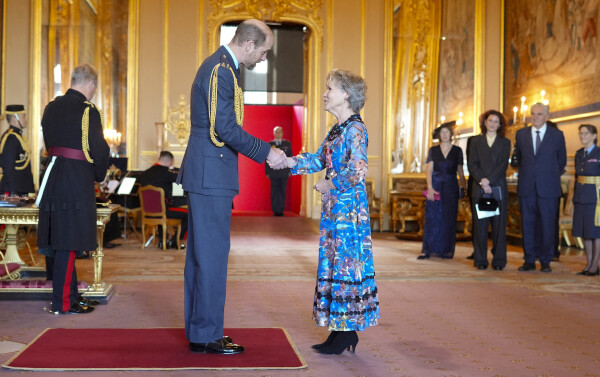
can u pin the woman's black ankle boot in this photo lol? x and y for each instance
(343, 340)
(327, 341)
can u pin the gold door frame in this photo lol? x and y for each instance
(302, 12)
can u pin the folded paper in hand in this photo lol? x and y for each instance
(487, 207)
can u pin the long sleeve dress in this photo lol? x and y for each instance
(439, 233)
(346, 292)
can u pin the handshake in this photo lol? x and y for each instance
(278, 160)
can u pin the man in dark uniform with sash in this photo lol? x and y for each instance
(14, 154)
(72, 128)
(209, 174)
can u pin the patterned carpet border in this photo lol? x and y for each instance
(166, 348)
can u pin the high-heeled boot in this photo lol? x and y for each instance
(327, 341)
(343, 340)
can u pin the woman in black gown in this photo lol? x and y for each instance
(444, 161)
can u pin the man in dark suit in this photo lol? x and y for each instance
(209, 175)
(542, 156)
(279, 177)
(14, 154)
(161, 175)
(67, 198)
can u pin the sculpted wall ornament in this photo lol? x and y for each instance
(300, 11)
(178, 123)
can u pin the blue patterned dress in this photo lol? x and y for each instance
(346, 292)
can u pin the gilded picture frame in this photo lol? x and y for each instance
(552, 46)
(457, 79)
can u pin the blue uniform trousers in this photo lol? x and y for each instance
(206, 266)
(538, 220)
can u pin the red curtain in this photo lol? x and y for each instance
(255, 188)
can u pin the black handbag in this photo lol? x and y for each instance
(487, 204)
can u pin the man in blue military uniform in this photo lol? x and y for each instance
(278, 178)
(14, 154)
(209, 175)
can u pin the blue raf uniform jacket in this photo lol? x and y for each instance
(207, 169)
(586, 167)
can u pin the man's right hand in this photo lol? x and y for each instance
(277, 159)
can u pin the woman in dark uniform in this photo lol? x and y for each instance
(586, 216)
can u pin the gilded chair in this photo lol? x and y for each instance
(152, 203)
(375, 207)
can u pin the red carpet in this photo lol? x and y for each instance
(152, 349)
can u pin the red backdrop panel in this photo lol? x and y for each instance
(255, 188)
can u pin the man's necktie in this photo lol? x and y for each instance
(538, 142)
(585, 153)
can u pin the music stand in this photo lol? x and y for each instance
(125, 188)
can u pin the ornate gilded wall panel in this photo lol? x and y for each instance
(415, 64)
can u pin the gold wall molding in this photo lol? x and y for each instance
(305, 12)
(416, 28)
(3, 57)
(133, 27)
(35, 85)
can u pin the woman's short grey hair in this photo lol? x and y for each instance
(83, 74)
(353, 84)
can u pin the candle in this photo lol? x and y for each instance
(459, 121)
(442, 119)
(515, 109)
(524, 113)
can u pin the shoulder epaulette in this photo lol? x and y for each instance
(212, 99)
(85, 129)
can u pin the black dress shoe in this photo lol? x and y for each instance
(227, 339)
(527, 267)
(87, 302)
(482, 267)
(172, 244)
(109, 245)
(583, 272)
(76, 308)
(221, 347)
(422, 256)
(472, 256)
(498, 268)
(593, 273)
(546, 268)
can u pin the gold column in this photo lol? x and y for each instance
(35, 86)
(132, 82)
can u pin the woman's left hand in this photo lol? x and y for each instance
(324, 186)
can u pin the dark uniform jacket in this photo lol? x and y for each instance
(586, 167)
(286, 147)
(68, 206)
(207, 169)
(488, 162)
(15, 163)
(160, 176)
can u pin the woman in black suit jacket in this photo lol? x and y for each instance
(488, 161)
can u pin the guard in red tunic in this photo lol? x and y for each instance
(73, 135)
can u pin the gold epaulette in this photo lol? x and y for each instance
(212, 101)
(25, 160)
(85, 130)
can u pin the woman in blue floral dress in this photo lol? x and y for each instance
(346, 297)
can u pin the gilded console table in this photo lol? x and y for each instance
(13, 217)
